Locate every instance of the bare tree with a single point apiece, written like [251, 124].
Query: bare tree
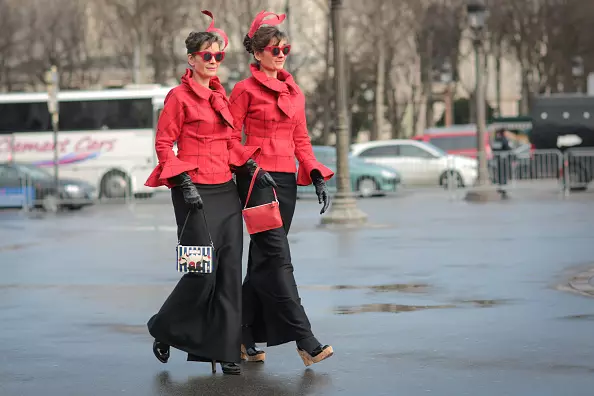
[56, 34]
[438, 36]
[163, 31]
[11, 21]
[236, 18]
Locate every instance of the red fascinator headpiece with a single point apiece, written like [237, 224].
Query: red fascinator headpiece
[259, 21]
[211, 28]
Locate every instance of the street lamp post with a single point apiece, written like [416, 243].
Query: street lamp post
[344, 208]
[482, 190]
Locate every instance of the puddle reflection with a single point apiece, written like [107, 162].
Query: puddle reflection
[394, 287]
[251, 382]
[484, 303]
[397, 308]
[394, 308]
[580, 317]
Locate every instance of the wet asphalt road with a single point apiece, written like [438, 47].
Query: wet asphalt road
[435, 296]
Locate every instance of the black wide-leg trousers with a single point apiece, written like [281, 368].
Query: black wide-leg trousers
[202, 315]
[272, 312]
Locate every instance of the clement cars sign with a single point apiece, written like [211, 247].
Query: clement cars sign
[65, 145]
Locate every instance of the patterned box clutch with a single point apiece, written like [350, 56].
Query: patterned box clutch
[195, 259]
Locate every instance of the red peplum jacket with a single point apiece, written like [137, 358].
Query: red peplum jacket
[199, 120]
[272, 110]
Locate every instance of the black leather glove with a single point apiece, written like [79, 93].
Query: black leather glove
[191, 195]
[321, 189]
[263, 179]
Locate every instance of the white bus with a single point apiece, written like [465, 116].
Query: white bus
[105, 137]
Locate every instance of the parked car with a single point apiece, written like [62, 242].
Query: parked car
[456, 140]
[22, 184]
[366, 179]
[418, 163]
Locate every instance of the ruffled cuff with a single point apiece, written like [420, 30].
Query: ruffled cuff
[239, 154]
[165, 170]
[305, 168]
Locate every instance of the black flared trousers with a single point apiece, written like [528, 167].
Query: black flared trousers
[272, 310]
[202, 315]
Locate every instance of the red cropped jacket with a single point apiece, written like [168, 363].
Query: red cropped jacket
[199, 120]
[272, 111]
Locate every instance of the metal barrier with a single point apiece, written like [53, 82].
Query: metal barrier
[565, 171]
[578, 169]
[536, 169]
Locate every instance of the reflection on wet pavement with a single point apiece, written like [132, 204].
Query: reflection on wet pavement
[580, 317]
[253, 381]
[15, 246]
[484, 303]
[394, 308]
[122, 328]
[397, 308]
[399, 287]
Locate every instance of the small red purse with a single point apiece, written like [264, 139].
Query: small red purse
[262, 217]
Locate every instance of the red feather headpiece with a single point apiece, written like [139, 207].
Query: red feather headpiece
[211, 28]
[259, 21]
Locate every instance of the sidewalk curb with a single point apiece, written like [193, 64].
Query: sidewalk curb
[583, 283]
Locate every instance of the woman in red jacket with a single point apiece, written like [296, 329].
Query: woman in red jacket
[270, 107]
[202, 314]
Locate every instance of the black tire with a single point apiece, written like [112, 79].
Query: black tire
[115, 184]
[367, 187]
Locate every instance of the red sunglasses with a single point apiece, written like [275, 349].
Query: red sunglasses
[207, 56]
[276, 50]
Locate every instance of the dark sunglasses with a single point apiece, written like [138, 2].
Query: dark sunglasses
[207, 56]
[276, 50]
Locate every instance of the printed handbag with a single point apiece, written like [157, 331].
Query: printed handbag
[195, 259]
[262, 217]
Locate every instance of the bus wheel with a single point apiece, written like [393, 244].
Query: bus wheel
[115, 184]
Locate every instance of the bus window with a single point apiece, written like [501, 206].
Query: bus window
[24, 117]
[106, 114]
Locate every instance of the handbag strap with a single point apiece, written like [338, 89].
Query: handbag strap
[186, 222]
[249, 194]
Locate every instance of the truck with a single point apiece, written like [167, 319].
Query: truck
[565, 122]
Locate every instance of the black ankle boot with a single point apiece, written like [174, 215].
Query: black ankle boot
[231, 368]
[161, 351]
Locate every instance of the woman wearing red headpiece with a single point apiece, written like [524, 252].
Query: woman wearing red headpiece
[270, 107]
[202, 314]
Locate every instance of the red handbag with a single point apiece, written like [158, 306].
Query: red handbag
[262, 217]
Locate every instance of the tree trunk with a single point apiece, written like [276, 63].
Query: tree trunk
[428, 82]
[378, 125]
[524, 104]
